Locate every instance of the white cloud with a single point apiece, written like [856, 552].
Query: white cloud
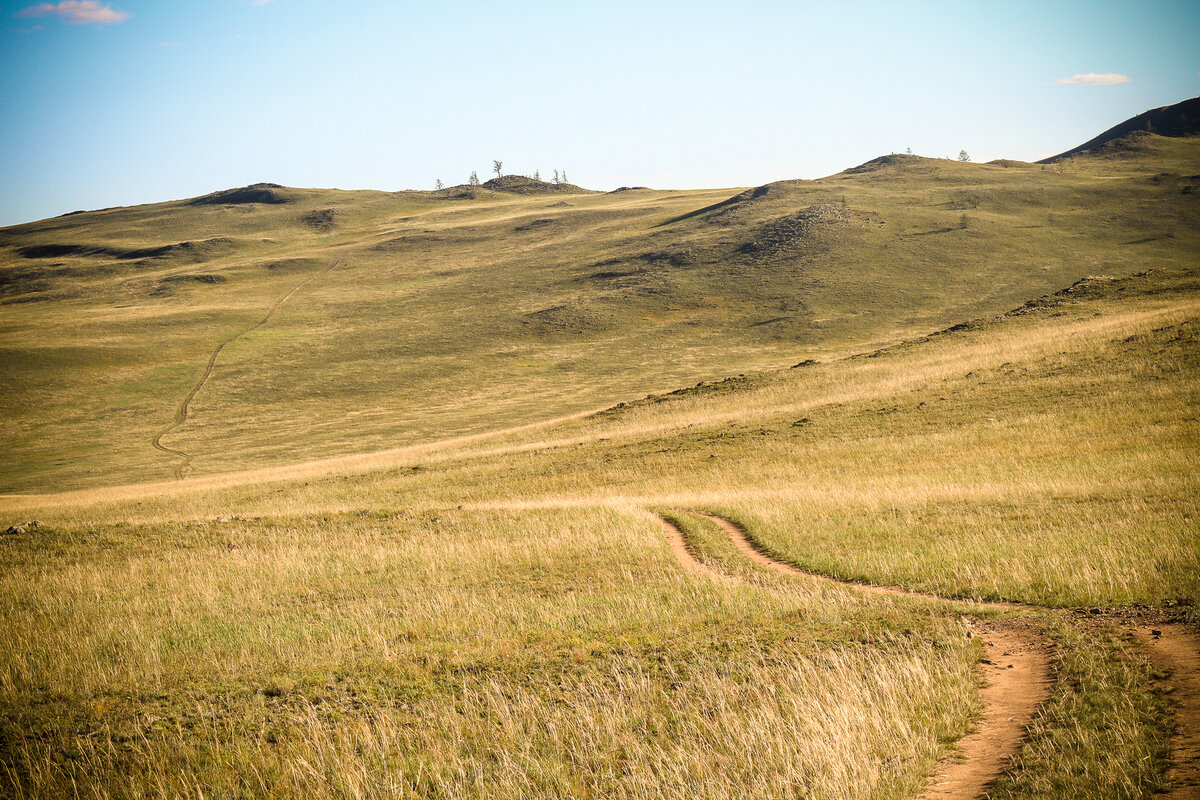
[260, 2]
[77, 12]
[1095, 79]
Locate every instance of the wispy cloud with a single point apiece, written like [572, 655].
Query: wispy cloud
[1095, 79]
[77, 12]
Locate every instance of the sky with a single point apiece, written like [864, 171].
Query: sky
[121, 102]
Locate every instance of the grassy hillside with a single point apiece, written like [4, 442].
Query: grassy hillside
[461, 312]
[459, 470]
[500, 616]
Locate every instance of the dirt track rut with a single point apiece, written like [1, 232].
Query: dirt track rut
[181, 414]
[1016, 673]
[1176, 648]
[1016, 677]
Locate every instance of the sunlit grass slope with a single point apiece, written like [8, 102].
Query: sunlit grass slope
[454, 315]
[1066, 430]
[499, 616]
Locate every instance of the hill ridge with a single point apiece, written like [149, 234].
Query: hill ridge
[1173, 121]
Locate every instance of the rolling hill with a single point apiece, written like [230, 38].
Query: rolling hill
[458, 312]
[881, 485]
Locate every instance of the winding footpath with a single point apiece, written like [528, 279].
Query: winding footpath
[181, 414]
[1016, 672]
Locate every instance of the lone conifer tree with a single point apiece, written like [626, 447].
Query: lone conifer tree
[496, 167]
[556, 176]
[473, 180]
[962, 156]
[537, 176]
[564, 174]
[440, 185]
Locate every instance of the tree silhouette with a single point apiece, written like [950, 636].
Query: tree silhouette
[496, 167]
[962, 156]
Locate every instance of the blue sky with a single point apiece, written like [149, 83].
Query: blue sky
[118, 102]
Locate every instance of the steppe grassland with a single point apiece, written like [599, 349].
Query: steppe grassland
[969, 464]
[345, 628]
[364, 633]
[445, 313]
[466, 654]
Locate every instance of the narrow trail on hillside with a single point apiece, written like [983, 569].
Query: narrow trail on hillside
[1016, 670]
[181, 414]
[1176, 648]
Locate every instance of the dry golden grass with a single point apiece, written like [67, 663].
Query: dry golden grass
[497, 614]
[472, 654]
[450, 317]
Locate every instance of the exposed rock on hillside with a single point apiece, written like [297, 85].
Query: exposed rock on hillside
[255, 193]
[520, 184]
[794, 230]
[321, 219]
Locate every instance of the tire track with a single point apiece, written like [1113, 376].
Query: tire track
[181, 414]
[679, 548]
[1016, 672]
[1176, 648]
[750, 548]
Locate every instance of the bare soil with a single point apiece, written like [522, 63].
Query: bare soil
[1175, 647]
[1015, 673]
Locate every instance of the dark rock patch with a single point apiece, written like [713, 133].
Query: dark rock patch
[533, 224]
[266, 193]
[321, 219]
[166, 286]
[521, 184]
[794, 231]
[294, 264]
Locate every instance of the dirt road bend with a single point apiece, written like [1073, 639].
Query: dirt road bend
[1015, 672]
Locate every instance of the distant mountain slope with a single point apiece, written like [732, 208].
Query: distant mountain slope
[1180, 119]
